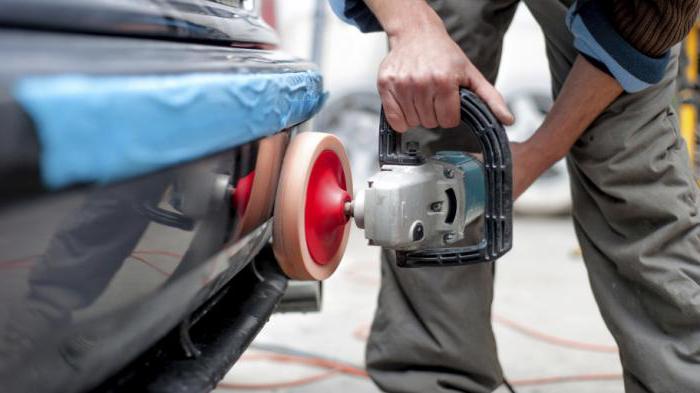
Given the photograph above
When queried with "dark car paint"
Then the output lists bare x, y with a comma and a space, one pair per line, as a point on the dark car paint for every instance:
93, 276
212, 21
218, 332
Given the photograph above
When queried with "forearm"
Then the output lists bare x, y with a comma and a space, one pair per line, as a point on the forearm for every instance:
399, 17
586, 93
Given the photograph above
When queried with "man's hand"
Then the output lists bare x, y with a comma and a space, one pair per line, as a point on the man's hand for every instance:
421, 75
419, 79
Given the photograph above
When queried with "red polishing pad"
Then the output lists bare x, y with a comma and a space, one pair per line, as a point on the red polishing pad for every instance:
310, 229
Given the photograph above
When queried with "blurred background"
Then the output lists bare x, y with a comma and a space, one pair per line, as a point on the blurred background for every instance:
550, 334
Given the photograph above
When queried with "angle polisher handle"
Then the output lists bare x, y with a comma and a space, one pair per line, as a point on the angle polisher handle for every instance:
498, 212
390, 151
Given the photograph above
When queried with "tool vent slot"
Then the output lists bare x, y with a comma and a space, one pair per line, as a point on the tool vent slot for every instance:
451, 205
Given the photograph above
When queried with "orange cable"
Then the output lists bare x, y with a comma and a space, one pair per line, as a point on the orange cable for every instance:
151, 265
310, 361
340, 368
279, 385
19, 263
158, 252
554, 340
566, 378
362, 334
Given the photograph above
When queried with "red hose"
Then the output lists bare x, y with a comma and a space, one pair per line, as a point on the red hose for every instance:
279, 385
554, 340
337, 368
567, 378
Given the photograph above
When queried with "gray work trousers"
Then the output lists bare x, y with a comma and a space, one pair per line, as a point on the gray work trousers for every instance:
635, 211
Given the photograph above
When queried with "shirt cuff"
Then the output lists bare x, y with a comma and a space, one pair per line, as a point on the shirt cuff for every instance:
596, 38
356, 13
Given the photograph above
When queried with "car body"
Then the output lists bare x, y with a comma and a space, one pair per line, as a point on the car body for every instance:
130, 132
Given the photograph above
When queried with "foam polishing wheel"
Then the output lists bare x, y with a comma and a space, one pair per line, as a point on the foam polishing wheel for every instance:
255, 193
311, 229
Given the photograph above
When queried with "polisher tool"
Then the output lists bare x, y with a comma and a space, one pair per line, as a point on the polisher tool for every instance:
419, 206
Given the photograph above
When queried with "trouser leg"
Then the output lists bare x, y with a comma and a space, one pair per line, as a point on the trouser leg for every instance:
432, 329
635, 208
636, 217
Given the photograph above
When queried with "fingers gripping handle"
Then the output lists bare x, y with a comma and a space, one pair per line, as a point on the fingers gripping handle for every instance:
498, 212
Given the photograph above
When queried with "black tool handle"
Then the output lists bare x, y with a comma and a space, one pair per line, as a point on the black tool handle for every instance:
390, 149
498, 167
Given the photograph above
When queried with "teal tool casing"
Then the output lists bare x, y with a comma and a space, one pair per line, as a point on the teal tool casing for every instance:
473, 179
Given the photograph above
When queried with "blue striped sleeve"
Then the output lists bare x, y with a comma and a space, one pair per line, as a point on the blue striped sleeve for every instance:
596, 38
356, 13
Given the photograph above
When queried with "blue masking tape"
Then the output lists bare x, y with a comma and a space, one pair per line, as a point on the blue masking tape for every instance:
101, 129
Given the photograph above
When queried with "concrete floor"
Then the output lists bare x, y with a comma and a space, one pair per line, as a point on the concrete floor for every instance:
541, 284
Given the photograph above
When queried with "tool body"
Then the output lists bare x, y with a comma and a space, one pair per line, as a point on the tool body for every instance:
420, 206
411, 207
